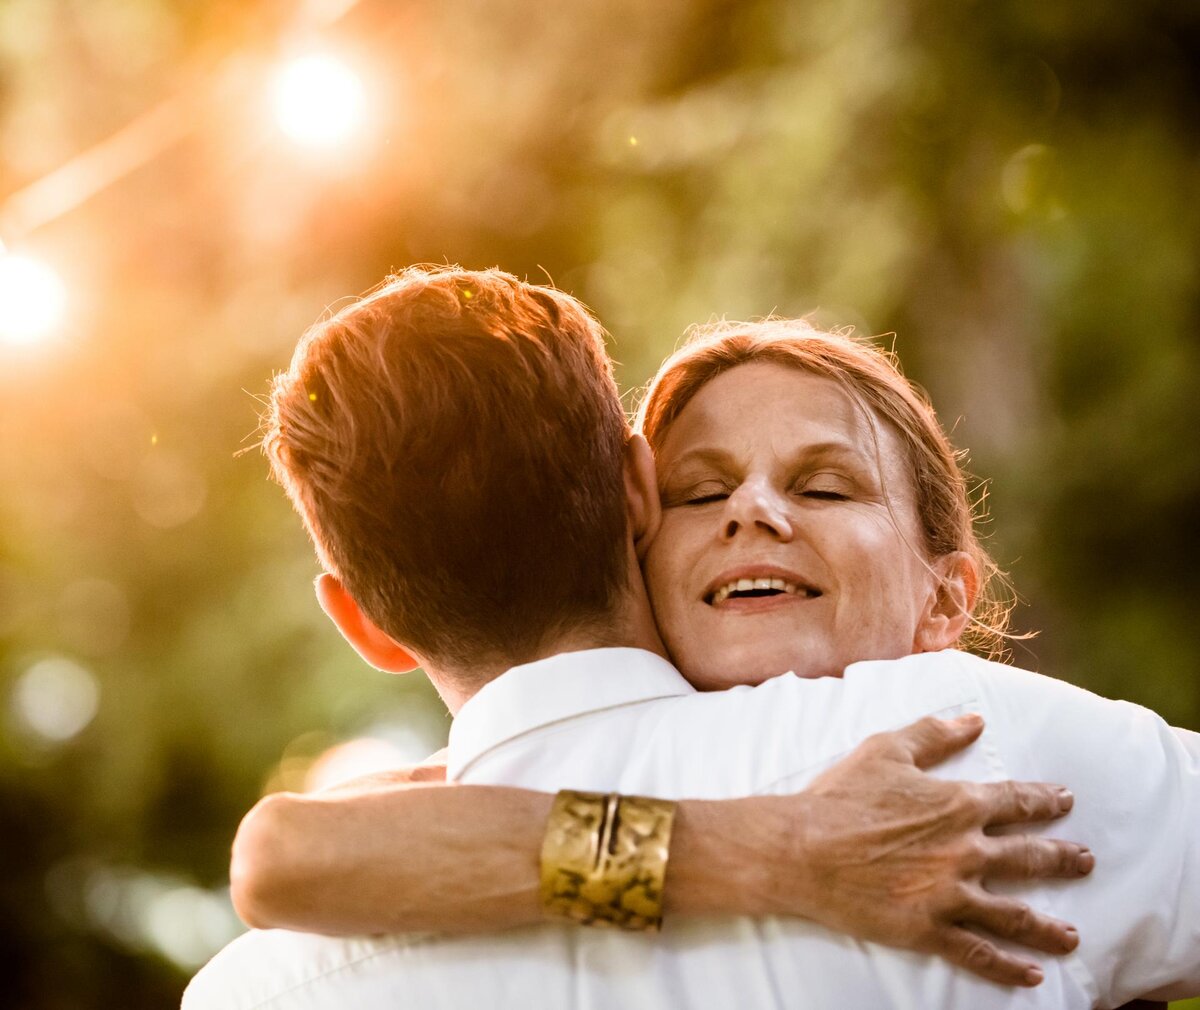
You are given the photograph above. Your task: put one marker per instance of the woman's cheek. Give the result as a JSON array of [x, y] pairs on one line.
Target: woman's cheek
[[656, 579], [669, 573], [661, 553]]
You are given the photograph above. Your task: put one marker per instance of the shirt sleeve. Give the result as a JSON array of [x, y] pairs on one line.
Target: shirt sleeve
[[1137, 806]]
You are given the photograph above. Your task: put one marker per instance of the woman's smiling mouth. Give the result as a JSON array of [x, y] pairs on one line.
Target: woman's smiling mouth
[[743, 588]]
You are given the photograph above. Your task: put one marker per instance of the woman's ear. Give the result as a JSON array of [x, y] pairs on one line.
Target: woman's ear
[[373, 644], [948, 610], [641, 494]]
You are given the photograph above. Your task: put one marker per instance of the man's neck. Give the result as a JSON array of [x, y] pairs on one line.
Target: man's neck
[[630, 626]]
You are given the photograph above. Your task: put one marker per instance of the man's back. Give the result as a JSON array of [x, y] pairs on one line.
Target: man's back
[[621, 720]]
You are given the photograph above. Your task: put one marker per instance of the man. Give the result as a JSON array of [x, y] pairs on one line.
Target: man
[[466, 548]]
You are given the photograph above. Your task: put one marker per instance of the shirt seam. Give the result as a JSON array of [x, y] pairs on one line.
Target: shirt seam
[[1073, 962], [398, 944]]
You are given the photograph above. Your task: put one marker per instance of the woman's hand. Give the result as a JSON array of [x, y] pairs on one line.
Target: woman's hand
[[877, 849]]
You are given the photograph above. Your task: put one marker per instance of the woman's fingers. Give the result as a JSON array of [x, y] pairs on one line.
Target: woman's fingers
[[1019, 802], [982, 957], [1026, 857], [931, 740], [1016, 921]]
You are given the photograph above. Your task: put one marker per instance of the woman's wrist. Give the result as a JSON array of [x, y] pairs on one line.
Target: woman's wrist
[[727, 856]]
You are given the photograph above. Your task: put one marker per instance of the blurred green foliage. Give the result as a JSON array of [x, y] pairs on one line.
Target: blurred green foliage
[[1009, 187]]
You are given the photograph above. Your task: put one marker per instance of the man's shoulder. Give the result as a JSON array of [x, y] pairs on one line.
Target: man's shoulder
[[932, 679], [952, 677], [261, 967], [810, 722], [869, 697], [777, 733], [926, 672], [1017, 703]]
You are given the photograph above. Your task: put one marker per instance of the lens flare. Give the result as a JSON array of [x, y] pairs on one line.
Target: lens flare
[[319, 101], [33, 300]]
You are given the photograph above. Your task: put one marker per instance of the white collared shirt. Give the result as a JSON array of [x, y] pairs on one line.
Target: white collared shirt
[[624, 720]]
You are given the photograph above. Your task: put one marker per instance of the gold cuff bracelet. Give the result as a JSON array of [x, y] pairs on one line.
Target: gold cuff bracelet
[[604, 859]]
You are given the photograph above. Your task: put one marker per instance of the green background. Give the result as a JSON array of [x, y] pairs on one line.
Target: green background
[[1011, 188]]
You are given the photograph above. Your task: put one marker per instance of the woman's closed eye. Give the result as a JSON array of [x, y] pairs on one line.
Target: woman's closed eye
[[704, 494], [698, 494], [826, 487]]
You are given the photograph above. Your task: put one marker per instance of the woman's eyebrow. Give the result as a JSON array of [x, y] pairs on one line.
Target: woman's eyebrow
[[829, 450], [703, 455]]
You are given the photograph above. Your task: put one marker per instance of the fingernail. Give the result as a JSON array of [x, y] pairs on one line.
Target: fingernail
[[1071, 938], [969, 719], [1066, 800], [1034, 976], [1085, 862]]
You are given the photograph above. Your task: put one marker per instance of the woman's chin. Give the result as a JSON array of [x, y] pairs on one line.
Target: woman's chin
[[717, 669]]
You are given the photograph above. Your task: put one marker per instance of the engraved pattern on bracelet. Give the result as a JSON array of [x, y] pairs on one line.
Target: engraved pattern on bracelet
[[604, 859]]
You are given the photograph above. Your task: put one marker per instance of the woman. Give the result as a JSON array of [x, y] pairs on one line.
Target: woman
[[872, 469], [823, 430]]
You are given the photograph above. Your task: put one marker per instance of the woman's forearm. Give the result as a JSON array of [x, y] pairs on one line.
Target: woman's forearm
[[454, 859], [391, 858]]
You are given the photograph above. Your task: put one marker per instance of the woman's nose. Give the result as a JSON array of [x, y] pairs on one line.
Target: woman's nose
[[756, 507]]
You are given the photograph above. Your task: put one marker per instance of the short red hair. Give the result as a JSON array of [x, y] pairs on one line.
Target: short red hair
[[454, 443]]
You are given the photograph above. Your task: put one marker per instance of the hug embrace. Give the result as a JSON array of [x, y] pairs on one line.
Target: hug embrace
[[720, 672]]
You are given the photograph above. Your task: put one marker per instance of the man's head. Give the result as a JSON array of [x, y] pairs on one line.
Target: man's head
[[455, 443]]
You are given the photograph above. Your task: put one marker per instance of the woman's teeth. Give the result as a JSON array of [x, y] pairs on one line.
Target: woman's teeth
[[759, 587]]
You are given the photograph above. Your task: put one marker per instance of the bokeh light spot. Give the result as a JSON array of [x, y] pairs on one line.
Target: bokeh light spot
[[318, 100], [352, 759], [55, 699], [33, 300], [188, 924], [1028, 179], [144, 911]]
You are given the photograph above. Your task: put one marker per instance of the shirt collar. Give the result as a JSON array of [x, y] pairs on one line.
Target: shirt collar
[[533, 695]]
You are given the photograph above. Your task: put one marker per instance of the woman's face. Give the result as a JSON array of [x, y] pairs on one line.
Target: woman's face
[[789, 537]]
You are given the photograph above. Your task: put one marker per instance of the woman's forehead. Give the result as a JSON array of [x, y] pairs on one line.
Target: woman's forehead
[[764, 401], [788, 416]]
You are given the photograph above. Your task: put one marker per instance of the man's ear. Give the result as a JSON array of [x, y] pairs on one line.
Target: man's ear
[[374, 645], [641, 494], [948, 610]]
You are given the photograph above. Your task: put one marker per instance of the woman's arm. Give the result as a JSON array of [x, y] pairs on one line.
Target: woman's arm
[[873, 848]]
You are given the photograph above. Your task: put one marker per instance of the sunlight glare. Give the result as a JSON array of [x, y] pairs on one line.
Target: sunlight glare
[[33, 300], [319, 100]]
